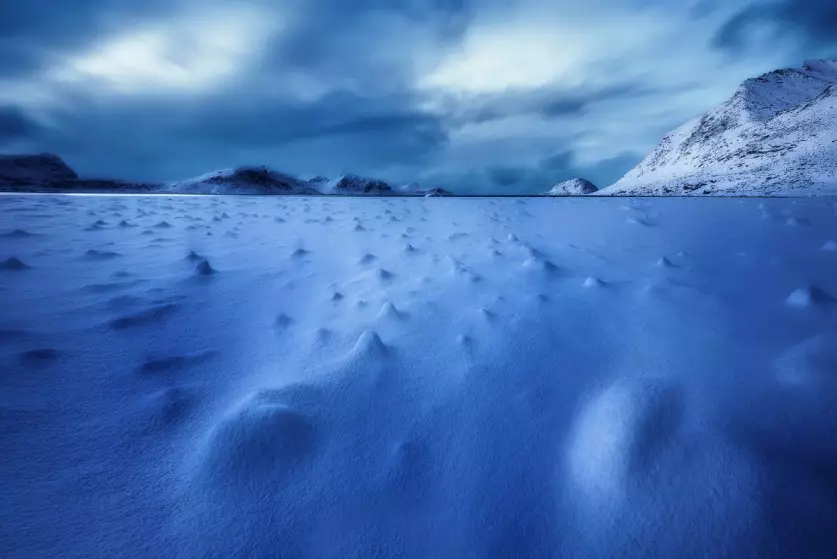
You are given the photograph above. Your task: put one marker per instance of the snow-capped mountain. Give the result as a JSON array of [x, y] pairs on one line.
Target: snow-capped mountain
[[415, 189], [49, 173], [263, 180], [245, 180], [436, 192], [776, 135], [354, 185], [572, 187]]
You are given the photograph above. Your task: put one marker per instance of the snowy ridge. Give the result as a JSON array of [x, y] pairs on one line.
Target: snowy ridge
[[48, 173], [355, 185], [776, 135], [573, 187], [263, 180], [436, 192], [244, 180]]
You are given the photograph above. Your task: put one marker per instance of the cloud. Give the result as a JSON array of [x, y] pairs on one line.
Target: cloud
[[812, 22], [33, 32], [538, 177], [158, 139], [183, 54], [502, 95], [14, 124]]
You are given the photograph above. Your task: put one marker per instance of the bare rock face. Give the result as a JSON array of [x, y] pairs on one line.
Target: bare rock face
[[34, 169], [573, 187]]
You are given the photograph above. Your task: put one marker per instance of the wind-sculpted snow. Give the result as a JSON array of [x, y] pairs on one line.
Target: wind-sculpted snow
[[417, 377]]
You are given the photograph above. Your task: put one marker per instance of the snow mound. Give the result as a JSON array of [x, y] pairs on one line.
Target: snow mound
[[618, 434], [151, 315], [573, 187], [204, 268], [369, 346], [165, 408], [810, 296], [389, 311], [17, 234], [627, 442], [593, 282], [14, 264], [258, 440], [811, 364]]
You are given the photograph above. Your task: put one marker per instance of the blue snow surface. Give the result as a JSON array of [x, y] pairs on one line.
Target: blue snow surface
[[343, 377]]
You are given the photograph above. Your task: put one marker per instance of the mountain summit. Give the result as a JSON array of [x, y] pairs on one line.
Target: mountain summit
[[776, 135], [573, 187]]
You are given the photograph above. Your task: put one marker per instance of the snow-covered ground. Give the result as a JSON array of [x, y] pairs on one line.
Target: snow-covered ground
[[342, 377]]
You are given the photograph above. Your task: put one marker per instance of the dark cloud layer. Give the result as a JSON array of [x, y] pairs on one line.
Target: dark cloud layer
[[813, 20], [528, 179], [14, 124], [336, 91]]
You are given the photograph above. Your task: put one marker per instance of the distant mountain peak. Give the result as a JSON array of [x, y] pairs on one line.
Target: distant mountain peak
[[356, 184], [573, 187], [244, 180]]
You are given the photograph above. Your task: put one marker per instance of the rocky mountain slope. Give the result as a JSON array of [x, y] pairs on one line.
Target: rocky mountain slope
[[263, 180], [776, 135], [573, 187], [243, 180]]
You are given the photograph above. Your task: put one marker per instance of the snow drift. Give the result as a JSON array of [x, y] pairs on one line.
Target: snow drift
[[233, 376]]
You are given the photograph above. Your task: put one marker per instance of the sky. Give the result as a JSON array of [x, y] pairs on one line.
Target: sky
[[478, 96]]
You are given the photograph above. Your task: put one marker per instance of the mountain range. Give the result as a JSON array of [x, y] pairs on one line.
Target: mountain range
[[48, 172], [776, 135]]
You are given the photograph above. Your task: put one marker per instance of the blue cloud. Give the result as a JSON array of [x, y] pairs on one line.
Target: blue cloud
[[14, 124], [164, 89], [813, 21]]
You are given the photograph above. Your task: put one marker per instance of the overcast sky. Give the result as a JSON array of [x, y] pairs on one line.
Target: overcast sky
[[477, 95]]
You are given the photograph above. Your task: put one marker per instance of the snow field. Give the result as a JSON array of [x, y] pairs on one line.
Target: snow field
[[314, 377]]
